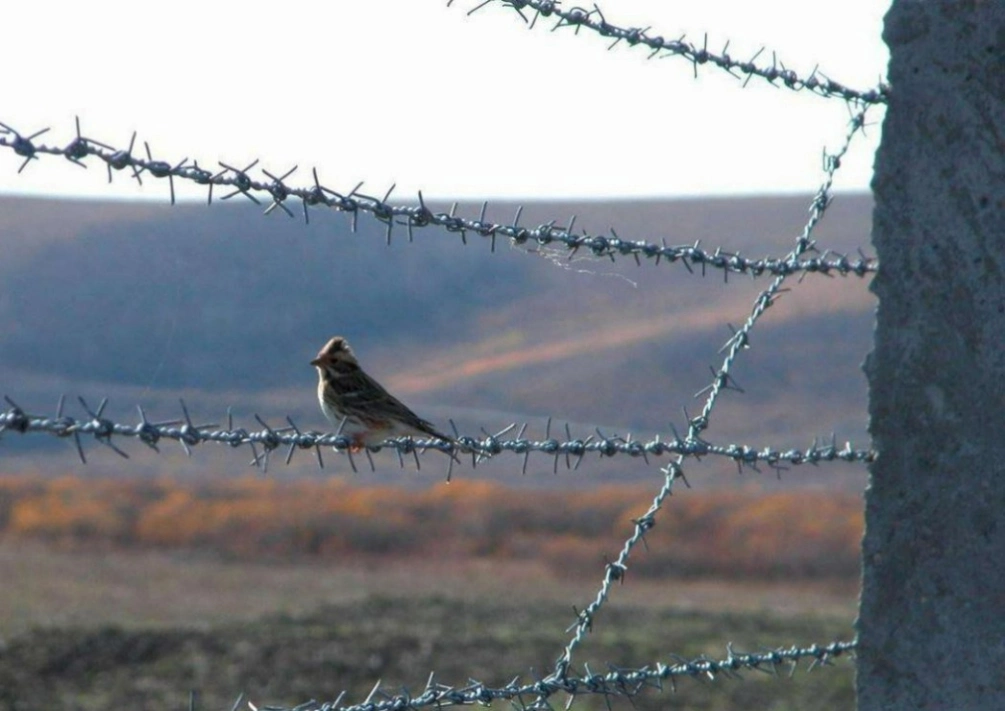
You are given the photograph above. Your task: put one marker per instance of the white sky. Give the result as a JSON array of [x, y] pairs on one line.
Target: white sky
[[415, 93]]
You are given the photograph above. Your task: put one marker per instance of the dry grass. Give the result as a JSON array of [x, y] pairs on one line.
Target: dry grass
[[50, 587], [129, 629], [95, 617]]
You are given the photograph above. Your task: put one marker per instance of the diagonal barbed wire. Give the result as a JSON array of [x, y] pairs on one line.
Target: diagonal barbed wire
[[188, 434], [618, 682], [276, 191], [277, 194], [659, 47], [615, 571]]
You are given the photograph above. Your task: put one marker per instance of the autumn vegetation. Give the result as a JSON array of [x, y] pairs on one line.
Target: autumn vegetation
[[731, 534]]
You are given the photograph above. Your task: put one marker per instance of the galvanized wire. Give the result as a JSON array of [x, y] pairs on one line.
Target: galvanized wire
[[277, 192], [264, 441], [187, 433], [696, 426], [184, 431], [659, 47], [616, 683]]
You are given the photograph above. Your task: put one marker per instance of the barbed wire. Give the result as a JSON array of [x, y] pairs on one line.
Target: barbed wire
[[411, 217], [277, 193], [618, 682], [659, 47], [188, 434], [615, 571], [183, 431]]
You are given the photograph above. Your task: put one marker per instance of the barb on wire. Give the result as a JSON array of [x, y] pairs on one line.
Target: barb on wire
[[22, 145], [277, 192], [274, 193], [697, 425], [616, 683], [573, 450], [660, 47]]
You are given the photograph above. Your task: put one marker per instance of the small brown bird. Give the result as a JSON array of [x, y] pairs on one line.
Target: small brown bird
[[371, 414]]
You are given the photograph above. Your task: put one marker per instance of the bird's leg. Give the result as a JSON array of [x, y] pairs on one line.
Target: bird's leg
[[357, 444]]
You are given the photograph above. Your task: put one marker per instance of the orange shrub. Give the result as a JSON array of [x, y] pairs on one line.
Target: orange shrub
[[731, 533], [71, 509]]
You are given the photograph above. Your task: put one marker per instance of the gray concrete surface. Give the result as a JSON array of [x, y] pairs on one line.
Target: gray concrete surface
[[932, 615]]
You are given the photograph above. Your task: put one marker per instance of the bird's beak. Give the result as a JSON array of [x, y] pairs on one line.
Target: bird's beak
[[316, 361]]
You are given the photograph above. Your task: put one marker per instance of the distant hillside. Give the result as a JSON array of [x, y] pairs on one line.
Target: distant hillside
[[145, 303]]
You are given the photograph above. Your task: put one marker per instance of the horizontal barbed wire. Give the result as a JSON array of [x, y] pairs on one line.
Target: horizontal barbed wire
[[776, 74], [187, 433], [618, 682], [722, 380], [277, 192], [183, 431]]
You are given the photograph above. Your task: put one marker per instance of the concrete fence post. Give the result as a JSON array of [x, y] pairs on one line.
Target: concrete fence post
[[931, 624]]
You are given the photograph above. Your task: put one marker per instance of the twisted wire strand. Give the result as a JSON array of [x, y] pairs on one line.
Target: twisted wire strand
[[696, 426], [616, 683], [659, 47], [277, 192], [183, 431]]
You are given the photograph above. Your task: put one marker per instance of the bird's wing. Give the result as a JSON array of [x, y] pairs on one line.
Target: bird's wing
[[366, 399]]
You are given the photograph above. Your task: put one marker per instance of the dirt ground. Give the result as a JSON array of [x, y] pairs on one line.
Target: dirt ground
[[134, 629], [44, 586]]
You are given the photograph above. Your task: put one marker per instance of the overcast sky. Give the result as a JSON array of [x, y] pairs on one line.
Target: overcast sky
[[415, 93]]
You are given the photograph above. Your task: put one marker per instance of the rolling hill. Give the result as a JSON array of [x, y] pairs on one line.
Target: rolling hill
[[224, 307]]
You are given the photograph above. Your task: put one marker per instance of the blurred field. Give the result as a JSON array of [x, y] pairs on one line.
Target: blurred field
[[140, 629], [154, 589], [802, 534], [98, 612]]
